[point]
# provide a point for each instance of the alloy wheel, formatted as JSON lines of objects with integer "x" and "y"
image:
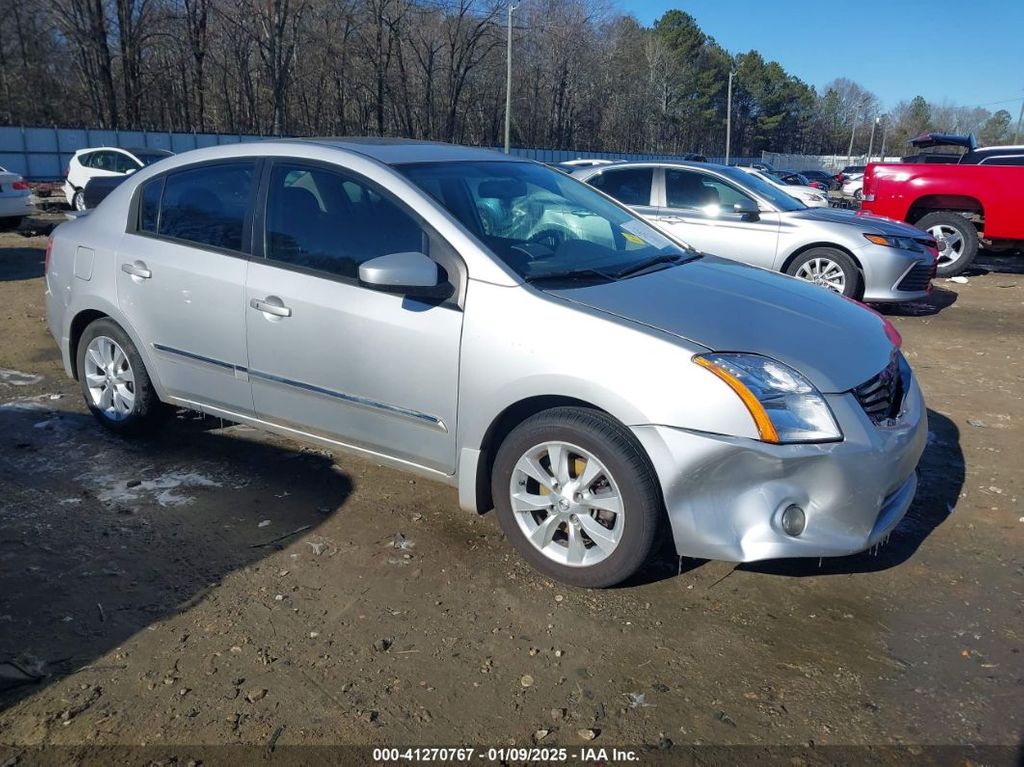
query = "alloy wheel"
{"x": 950, "y": 243}
{"x": 824, "y": 272}
{"x": 567, "y": 504}
{"x": 109, "y": 378}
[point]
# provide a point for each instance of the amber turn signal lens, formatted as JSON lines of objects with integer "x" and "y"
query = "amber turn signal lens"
{"x": 764, "y": 424}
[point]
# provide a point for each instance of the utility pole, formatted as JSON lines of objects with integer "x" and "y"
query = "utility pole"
{"x": 728, "y": 118}
{"x": 871, "y": 141}
{"x": 885, "y": 124}
{"x": 1020, "y": 120}
{"x": 849, "y": 152}
{"x": 508, "y": 81}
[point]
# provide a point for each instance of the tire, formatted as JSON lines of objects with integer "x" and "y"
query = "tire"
{"x": 11, "y": 223}
{"x": 830, "y": 268}
{"x": 78, "y": 200}
{"x": 107, "y": 396}
{"x": 622, "y": 478}
{"x": 960, "y": 237}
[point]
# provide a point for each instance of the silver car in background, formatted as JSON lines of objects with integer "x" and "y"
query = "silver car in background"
{"x": 731, "y": 213}
{"x": 496, "y": 325}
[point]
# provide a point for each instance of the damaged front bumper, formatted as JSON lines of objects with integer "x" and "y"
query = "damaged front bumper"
{"x": 725, "y": 496}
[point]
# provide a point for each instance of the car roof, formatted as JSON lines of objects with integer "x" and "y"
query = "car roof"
{"x": 146, "y": 150}
{"x": 399, "y": 151}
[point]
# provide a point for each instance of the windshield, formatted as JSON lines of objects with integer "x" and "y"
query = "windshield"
{"x": 540, "y": 222}
{"x": 758, "y": 184}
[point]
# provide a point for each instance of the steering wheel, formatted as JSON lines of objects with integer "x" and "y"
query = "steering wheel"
{"x": 550, "y": 238}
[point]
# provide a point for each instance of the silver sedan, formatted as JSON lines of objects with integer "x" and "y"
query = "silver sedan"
{"x": 496, "y": 325}
{"x": 734, "y": 214}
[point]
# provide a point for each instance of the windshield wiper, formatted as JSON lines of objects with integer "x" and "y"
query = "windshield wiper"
{"x": 664, "y": 259}
{"x": 571, "y": 274}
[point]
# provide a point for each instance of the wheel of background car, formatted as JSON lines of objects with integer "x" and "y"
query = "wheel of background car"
{"x": 830, "y": 268}
{"x": 11, "y": 223}
{"x": 78, "y": 201}
{"x": 858, "y": 194}
{"x": 115, "y": 382}
{"x": 577, "y": 497}
{"x": 957, "y": 239}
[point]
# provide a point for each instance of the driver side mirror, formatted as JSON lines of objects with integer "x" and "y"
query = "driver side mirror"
{"x": 409, "y": 273}
{"x": 747, "y": 210}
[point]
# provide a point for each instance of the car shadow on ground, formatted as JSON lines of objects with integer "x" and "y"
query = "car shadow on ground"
{"x": 103, "y": 537}
{"x": 989, "y": 261}
{"x": 942, "y": 472}
{"x": 22, "y": 264}
{"x": 935, "y": 302}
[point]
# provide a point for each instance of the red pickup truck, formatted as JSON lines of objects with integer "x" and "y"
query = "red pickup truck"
{"x": 976, "y": 199}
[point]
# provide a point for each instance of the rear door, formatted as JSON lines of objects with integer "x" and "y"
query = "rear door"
{"x": 698, "y": 208}
{"x": 181, "y": 280}
{"x": 331, "y": 357}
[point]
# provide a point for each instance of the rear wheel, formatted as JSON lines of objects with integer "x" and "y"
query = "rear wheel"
{"x": 576, "y": 495}
{"x": 957, "y": 240}
{"x": 829, "y": 268}
{"x": 78, "y": 201}
{"x": 114, "y": 380}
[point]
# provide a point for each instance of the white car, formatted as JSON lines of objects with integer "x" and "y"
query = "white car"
{"x": 104, "y": 161}
{"x": 15, "y": 199}
{"x": 808, "y": 195}
{"x": 853, "y": 186}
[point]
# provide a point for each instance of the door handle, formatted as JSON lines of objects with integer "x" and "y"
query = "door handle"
{"x": 266, "y": 307}
{"x": 138, "y": 269}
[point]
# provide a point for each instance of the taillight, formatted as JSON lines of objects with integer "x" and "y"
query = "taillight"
{"x": 67, "y": 171}
{"x": 868, "y": 189}
{"x": 20, "y": 186}
{"x": 49, "y": 252}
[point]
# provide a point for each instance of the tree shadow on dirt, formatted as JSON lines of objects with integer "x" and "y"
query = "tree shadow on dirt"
{"x": 942, "y": 471}
{"x": 22, "y": 264}
{"x": 103, "y": 537}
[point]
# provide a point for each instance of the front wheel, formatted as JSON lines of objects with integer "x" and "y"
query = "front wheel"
{"x": 829, "y": 268}
{"x": 78, "y": 200}
{"x": 577, "y": 497}
{"x": 115, "y": 382}
{"x": 957, "y": 241}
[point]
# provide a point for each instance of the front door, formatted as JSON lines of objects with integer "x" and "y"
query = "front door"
{"x": 698, "y": 209}
{"x": 330, "y": 357}
{"x": 181, "y": 279}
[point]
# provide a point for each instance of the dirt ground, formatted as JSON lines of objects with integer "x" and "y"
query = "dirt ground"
{"x": 140, "y": 582}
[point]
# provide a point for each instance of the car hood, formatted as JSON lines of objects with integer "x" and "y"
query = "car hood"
{"x": 865, "y": 221}
{"x": 727, "y": 306}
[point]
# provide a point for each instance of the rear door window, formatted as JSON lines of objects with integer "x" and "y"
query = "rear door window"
{"x": 208, "y": 205}
{"x": 630, "y": 186}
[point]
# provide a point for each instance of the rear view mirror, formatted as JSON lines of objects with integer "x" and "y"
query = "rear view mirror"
{"x": 408, "y": 273}
{"x": 746, "y": 210}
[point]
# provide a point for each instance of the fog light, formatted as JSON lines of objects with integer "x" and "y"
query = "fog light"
{"x": 793, "y": 521}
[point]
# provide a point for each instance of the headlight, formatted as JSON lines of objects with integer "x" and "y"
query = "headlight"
{"x": 903, "y": 243}
{"x": 785, "y": 406}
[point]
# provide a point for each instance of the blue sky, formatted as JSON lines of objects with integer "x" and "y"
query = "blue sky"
{"x": 969, "y": 53}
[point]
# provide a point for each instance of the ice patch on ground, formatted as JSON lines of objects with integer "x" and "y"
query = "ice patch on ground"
{"x": 166, "y": 489}
{"x": 17, "y": 378}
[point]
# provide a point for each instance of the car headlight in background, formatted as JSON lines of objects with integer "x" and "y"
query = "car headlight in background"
{"x": 785, "y": 406}
{"x": 903, "y": 243}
